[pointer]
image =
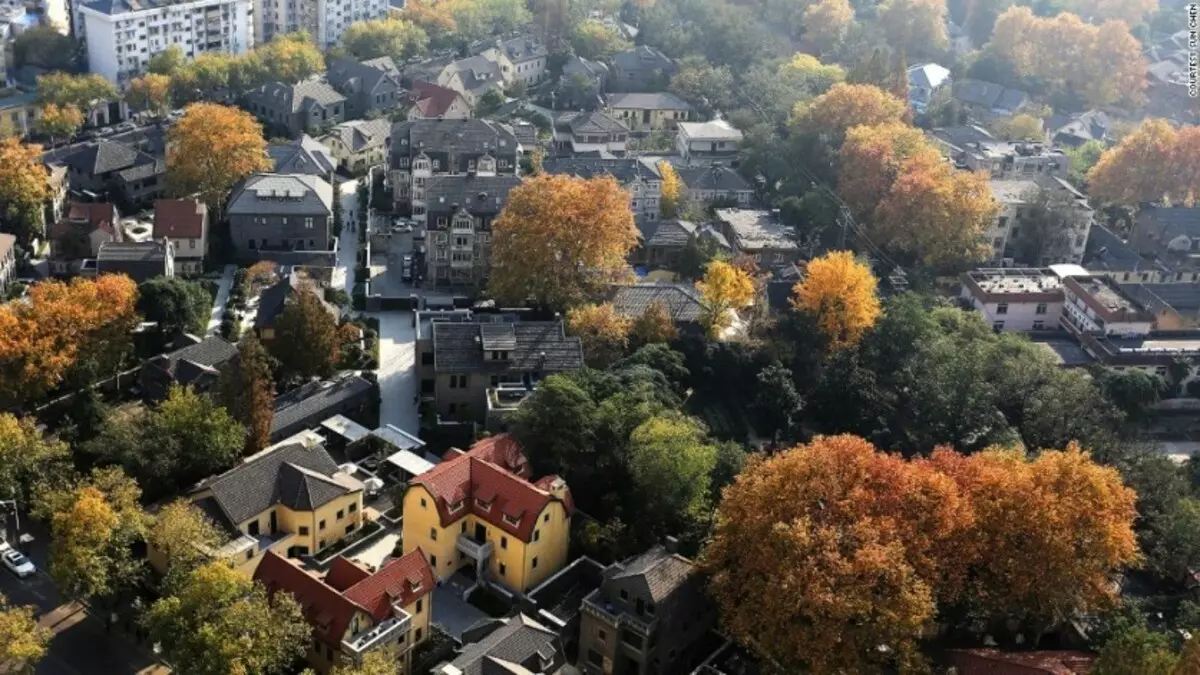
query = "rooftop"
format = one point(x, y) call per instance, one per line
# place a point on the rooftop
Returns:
point(521, 642)
point(300, 404)
point(305, 155)
point(452, 136)
point(717, 129)
point(681, 300)
point(133, 251)
point(1013, 191)
point(538, 347)
point(1002, 281)
point(659, 100)
point(179, 218)
point(756, 229)
point(1103, 293)
point(623, 169)
point(299, 194)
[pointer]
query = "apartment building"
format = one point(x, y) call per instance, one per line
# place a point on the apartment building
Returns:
point(458, 212)
point(1009, 160)
point(324, 20)
point(422, 149)
point(354, 611)
point(479, 509)
point(708, 142)
point(1056, 219)
point(122, 35)
point(640, 178)
point(1017, 299)
point(281, 212)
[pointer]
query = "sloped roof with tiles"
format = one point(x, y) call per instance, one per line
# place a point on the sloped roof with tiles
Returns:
point(179, 218)
point(325, 609)
point(659, 100)
point(540, 346)
point(682, 301)
point(305, 155)
point(343, 573)
point(521, 645)
point(401, 581)
point(360, 135)
point(661, 572)
point(97, 215)
point(431, 99)
point(513, 503)
point(297, 97)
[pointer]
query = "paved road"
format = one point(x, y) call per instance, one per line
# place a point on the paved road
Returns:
point(397, 371)
point(223, 289)
point(348, 244)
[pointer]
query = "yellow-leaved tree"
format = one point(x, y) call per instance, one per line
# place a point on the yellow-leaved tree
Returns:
point(23, 187)
point(150, 92)
point(845, 106)
point(672, 191)
point(560, 240)
point(827, 22)
point(723, 290)
point(603, 332)
point(59, 121)
point(1155, 162)
point(841, 292)
point(211, 148)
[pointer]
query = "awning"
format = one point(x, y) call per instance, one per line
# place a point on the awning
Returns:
point(409, 462)
point(398, 437)
point(345, 427)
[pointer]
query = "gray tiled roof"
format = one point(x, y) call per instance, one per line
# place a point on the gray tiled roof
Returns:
point(596, 122)
point(671, 233)
point(662, 573)
point(309, 195)
point(659, 100)
point(458, 136)
point(210, 352)
point(720, 178)
point(1184, 297)
point(362, 134)
point(306, 155)
point(254, 486)
point(478, 194)
point(682, 301)
point(521, 640)
point(346, 74)
point(623, 169)
point(540, 346)
point(134, 251)
point(299, 96)
point(581, 66)
point(643, 58)
point(477, 73)
point(144, 167)
point(101, 157)
point(519, 49)
point(300, 404)
point(959, 136)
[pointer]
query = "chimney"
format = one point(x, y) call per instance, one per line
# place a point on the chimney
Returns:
point(671, 544)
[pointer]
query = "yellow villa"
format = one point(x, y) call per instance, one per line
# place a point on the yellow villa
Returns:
point(478, 509)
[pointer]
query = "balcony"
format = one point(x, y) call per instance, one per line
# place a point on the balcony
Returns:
point(475, 549)
point(387, 631)
point(597, 606)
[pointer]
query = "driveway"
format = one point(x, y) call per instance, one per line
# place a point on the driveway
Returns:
point(450, 612)
point(223, 290)
point(348, 243)
point(397, 371)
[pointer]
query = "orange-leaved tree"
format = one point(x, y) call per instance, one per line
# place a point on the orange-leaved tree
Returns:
point(23, 187)
point(654, 325)
point(560, 240)
point(827, 22)
point(845, 106)
point(211, 148)
point(871, 158)
point(1153, 163)
point(723, 290)
point(247, 389)
point(841, 293)
point(58, 121)
point(85, 325)
point(150, 92)
point(603, 333)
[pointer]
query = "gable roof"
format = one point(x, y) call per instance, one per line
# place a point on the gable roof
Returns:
point(453, 136)
point(344, 573)
point(179, 218)
point(133, 251)
point(928, 76)
point(989, 95)
point(520, 641)
point(305, 155)
point(202, 357)
point(661, 573)
point(296, 476)
point(401, 581)
point(475, 193)
point(643, 58)
point(433, 100)
point(659, 100)
point(91, 216)
point(716, 177)
point(326, 610)
point(624, 169)
point(596, 122)
point(297, 405)
point(360, 135)
point(586, 67)
point(101, 157)
point(467, 477)
point(539, 346)
point(518, 49)
point(346, 74)
point(299, 96)
point(477, 74)
point(264, 193)
point(682, 301)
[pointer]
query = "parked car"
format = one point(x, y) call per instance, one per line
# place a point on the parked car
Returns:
point(125, 127)
point(15, 561)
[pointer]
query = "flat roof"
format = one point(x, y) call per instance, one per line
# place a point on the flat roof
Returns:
point(1016, 280)
point(345, 427)
point(758, 229)
point(398, 437)
point(410, 462)
point(1107, 294)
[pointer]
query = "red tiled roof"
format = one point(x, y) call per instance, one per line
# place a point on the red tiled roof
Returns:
point(326, 610)
point(179, 218)
point(433, 100)
point(997, 662)
point(98, 215)
point(343, 574)
point(474, 475)
point(402, 581)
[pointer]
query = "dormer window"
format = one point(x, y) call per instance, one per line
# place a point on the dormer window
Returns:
point(486, 506)
point(456, 506)
point(512, 521)
point(500, 355)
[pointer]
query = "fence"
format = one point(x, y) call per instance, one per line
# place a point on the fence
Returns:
point(54, 409)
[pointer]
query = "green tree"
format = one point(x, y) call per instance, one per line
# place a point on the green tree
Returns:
point(23, 642)
point(167, 62)
point(557, 425)
point(80, 91)
point(778, 404)
point(1084, 158)
point(186, 539)
point(219, 621)
point(175, 304)
point(597, 40)
point(1136, 652)
point(397, 38)
point(489, 103)
point(306, 340)
point(705, 86)
point(290, 58)
point(44, 47)
point(247, 390)
point(1132, 391)
point(28, 458)
point(671, 463)
point(1173, 541)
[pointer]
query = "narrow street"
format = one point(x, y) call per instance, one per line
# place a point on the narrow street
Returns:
point(348, 243)
point(398, 371)
point(223, 290)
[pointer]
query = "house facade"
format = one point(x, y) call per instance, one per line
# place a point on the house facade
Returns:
point(183, 222)
point(649, 112)
point(274, 212)
point(598, 132)
point(80, 234)
point(304, 107)
point(458, 212)
point(367, 85)
point(138, 260)
point(425, 149)
point(1015, 299)
point(1022, 203)
point(522, 59)
point(429, 101)
point(360, 144)
point(355, 612)
point(716, 184)
point(8, 259)
point(480, 509)
point(708, 142)
point(640, 178)
point(116, 171)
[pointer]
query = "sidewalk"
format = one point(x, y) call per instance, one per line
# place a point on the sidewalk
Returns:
point(223, 290)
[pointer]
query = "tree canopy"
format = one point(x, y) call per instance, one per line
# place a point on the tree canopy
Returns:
point(393, 37)
point(23, 642)
point(1153, 163)
point(211, 148)
point(306, 341)
point(175, 304)
point(841, 292)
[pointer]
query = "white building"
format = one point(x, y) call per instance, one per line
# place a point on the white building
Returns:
point(708, 142)
point(1019, 201)
point(1017, 299)
point(122, 35)
point(325, 20)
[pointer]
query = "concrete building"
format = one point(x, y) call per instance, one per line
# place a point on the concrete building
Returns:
point(1056, 217)
point(8, 259)
point(640, 178)
point(522, 59)
point(423, 149)
point(760, 235)
point(122, 35)
point(1008, 160)
point(649, 112)
point(708, 142)
point(1017, 299)
point(183, 222)
point(324, 20)
point(1098, 305)
point(591, 132)
point(458, 215)
point(281, 212)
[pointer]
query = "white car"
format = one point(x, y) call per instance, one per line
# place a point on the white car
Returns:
point(16, 562)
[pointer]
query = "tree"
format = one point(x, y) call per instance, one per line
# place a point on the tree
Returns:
point(24, 188)
point(58, 121)
point(841, 292)
point(778, 404)
point(290, 58)
point(559, 240)
point(219, 621)
point(150, 92)
point(596, 40)
point(654, 326)
point(175, 304)
point(211, 148)
point(247, 390)
point(489, 103)
point(389, 36)
point(848, 105)
point(670, 462)
point(826, 23)
point(376, 662)
point(914, 27)
point(167, 62)
point(93, 526)
point(724, 289)
point(44, 47)
point(1136, 652)
point(185, 538)
point(603, 332)
point(556, 426)
point(1173, 540)
point(306, 340)
point(1053, 220)
point(672, 191)
point(1084, 158)
point(1148, 165)
point(84, 327)
point(705, 86)
point(23, 643)
point(28, 458)
point(1020, 127)
point(81, 91)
